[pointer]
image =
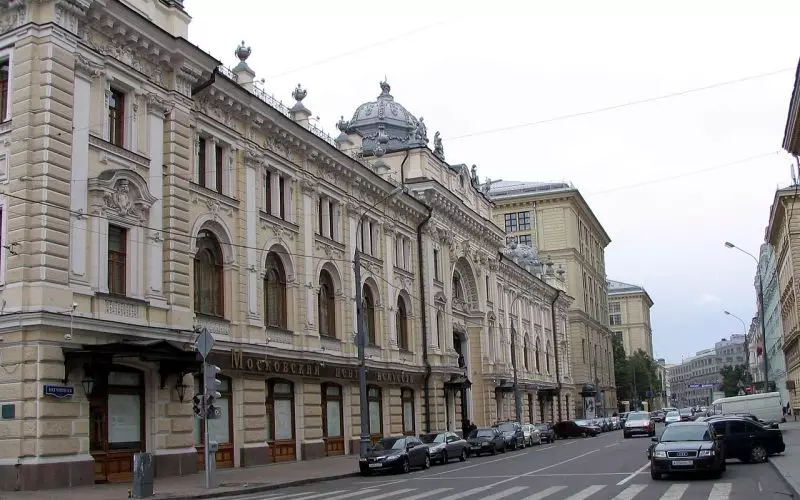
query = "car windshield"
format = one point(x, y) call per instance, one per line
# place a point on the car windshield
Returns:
point(432, 438)
point(482, 433)
point(582, 422)
point(639, 416)
point(507, 427)
point(390, 444)
point(673, 414)
point(679, 432)
point(686, 411)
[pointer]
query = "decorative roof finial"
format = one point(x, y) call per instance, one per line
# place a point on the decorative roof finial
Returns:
point(243, 52)
point(342, 125)
point(299, 93)
point(385, 89)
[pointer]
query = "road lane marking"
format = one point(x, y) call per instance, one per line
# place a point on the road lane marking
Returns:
point(586, 492)
point(612, 444)
point(515, 455)
point(464, 494)
point(633, 474)
point(311, 495)
point(675, 492)
point(721, 491)
point(506, 493)
point(389, 494)
point(630, 492)
point(540, 495)
point(428, 494)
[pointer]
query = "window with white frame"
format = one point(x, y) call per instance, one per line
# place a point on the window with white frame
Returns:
point(329, 217)
point(402, 252)
point(275, 194)
point(210, 169)
point(368, 237)
point(615, 315)
point(5, 88)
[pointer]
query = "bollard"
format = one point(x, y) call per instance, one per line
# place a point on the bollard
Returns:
point(142, 475)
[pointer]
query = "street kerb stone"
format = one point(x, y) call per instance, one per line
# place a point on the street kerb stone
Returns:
point(255, 489)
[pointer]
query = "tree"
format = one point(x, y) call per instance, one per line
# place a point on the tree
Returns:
point(622, 373)
point(635, 375)
point(732, 376)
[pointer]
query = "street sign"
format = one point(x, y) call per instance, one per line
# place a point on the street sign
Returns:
point(693, 386)
point(708, 386)
point(204, 342)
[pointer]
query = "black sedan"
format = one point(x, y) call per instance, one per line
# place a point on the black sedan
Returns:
point(397, 454)
point(513, 435)
point(444, 446)
point(574, 428)
point(687, 447)
point(545, 432)
point(748, 440)
point(486, 440)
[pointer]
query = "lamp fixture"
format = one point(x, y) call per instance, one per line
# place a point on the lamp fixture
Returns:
point(88, 385)
point(180, 387)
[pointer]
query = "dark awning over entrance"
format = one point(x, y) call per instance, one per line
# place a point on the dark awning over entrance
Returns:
point(171, 357)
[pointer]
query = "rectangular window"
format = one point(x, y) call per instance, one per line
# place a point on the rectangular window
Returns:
point(436, 264)
point(282, 196)
point(615, 319)
point(488, 289)
point(525, 239)
point(524, 221)
point(219, 160)
point(201, 161)
point(614, 308)
point(511, 239)
point(4, 86)
point(331, 207)
point(320, 222)
point(116, 118)
point(511, 222)
point(268, 192)
point(116, 259)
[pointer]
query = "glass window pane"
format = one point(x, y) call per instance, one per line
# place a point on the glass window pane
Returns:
point(124, 421)
point(334, 421)
point(124, 378)
point(408, 416)
point(219, 429)
point(283, 419)
point(283, 388)
point(332, 390)
point(374, 417)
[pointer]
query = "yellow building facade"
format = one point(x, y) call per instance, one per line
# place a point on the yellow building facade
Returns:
point(629, 316)
point(149, 191)
point(556, 220)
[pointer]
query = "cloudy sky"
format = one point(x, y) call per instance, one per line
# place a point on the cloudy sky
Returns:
point(529, 90)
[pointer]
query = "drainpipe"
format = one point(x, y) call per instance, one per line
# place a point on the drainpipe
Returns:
point(424, 315)
point(555, 350)
point(199, 87)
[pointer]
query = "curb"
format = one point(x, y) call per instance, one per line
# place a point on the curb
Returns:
point(258, 489)
point(789, 485)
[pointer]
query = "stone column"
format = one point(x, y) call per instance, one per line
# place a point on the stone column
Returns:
point(211, 165)
point(309, 195)
point(250, 227)
point(325, 230)
point(156, 108)
point(275, 189)
point(353, 214)
point(388, 268)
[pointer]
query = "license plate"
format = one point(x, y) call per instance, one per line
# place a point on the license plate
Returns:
point(476, 447)
point(682, 462)
point(375, 466)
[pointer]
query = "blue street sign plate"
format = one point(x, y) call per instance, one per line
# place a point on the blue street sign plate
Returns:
point(58, 391)
point(693, 386)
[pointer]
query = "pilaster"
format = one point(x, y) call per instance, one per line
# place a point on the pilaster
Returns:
point(251, 240)
point(156, 108)
point(309, 195)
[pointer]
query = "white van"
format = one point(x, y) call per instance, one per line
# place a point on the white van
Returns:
point(766, 407)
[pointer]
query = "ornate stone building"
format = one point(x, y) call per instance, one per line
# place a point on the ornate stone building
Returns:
point(149, 191)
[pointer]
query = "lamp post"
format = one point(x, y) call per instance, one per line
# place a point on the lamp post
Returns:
point(728, 244)
point(361, 332)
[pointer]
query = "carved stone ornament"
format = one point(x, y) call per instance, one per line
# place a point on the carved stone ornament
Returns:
point(158, 105)
point(309, 186)
point(69, 13)
point(86, 67)
point(253, 157)
point(281, 234)
point(14, 15)
point(122, 193)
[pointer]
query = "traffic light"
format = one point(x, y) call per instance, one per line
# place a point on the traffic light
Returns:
point(211, 384)
point(198, 401)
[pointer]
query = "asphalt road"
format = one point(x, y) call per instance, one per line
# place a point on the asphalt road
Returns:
point(601, 468)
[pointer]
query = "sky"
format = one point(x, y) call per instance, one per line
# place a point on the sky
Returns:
point(670, 179)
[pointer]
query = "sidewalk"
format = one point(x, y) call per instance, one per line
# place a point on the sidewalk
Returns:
point(788, 463)
point(232, 482)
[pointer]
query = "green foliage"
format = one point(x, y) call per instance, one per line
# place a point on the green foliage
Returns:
point(634, 374)
point(732, 377)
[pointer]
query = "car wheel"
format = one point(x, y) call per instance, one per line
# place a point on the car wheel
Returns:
point(494, 450)
point(406, 466)
point(655, 475)
point(758, 454)
point(463, 456)
point(365, 472)
point(427, 463)
point(445, 458)
point(583, 434)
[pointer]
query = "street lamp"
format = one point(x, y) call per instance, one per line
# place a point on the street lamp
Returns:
point(728, 244)
point(362, 337)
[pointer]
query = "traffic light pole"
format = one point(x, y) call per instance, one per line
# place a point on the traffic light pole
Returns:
point(207, 448)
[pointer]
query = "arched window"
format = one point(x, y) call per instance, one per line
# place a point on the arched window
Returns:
point(547, 357)
point(326, 305)
point(525, 354)
point(368, 310)
point(401, 321)
point(538, 361)
point(274, 292)
point(208, 276)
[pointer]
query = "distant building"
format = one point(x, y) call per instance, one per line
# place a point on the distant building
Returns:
point(773, 326)
point(688, 378)
point(629, 316)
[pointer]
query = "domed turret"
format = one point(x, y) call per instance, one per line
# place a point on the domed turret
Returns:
point(385, 118)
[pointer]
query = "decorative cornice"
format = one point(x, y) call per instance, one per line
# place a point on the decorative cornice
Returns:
point(84, 66)
point(157, 105)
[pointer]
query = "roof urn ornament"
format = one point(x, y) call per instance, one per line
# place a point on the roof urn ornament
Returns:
point(438, 149)
point(243, 52)
point(299, 93)
point(342, 125)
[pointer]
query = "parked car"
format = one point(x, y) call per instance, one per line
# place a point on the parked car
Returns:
point(399, 453)
point(657, 416)
point(687, 414)
point(687, 447)
point(513, 434)
point(672, 417)
point(574, 428)
point(532, 435)
point(545, 432)
point(748, 440)
point(443, 446)
point(639, 422)
point(486, 440)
